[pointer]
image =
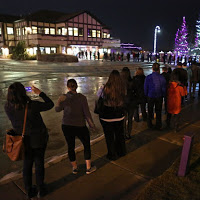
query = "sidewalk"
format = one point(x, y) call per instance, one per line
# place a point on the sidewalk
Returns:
point(150, 153)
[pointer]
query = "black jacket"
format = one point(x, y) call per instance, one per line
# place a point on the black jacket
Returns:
point(35, 132)
point(138, 83)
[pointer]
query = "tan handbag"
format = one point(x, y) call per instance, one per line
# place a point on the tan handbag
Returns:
point(13, 145)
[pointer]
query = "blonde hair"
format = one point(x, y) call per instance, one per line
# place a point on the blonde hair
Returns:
point(139, 71)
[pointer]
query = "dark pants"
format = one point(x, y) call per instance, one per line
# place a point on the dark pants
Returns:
point(71, 132)
point(157, 102)
point(176, 120)
point(128, 121)
point(143, 110)
point(33, 156)
point(114, 136)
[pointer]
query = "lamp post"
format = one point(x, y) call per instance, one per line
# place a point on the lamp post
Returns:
point(157, 30)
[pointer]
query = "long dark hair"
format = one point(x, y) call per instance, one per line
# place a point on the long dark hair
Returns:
point(17, 95)
point(114, 90)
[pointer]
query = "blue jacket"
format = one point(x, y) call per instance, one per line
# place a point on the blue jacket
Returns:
point(155, 85)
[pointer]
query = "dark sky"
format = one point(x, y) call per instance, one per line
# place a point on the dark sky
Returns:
point(130, 20)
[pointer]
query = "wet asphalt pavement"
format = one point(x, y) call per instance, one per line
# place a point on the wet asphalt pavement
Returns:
point(52, 78)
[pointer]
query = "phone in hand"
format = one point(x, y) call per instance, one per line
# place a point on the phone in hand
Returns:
point(28, 89)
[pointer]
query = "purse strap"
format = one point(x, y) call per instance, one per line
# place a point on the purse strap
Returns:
point(25, 117)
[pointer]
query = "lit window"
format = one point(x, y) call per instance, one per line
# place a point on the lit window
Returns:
point(89, 33)
point(94, 33)
point(75, 31)
point(98, 34)
point(47, 50)
point(18, 31)
point(59, 31)
point(52, 31)
point(40, 30)
point(80, 31)
point(46, 31)
point(64, 31)
point(108, 35)
point(34, 29)
point(10, 31)
point(104, 35)
point(70, 31)
point(23, 31)
point(0, 31)
point(53, 49)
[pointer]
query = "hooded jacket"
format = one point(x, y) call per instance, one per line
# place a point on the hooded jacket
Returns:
point(174, 94)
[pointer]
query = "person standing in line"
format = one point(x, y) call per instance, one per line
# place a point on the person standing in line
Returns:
point(98, 55)
point(138, 83)
point(75, 113)
point(193, 74)
point(90, 55)
point(128, 57)
point(155, 90)
point(122, 56)
point(130, 101)
point(86, 54)
point(167, 78)
point(174, 94)
point(36, 135)
point(112, 115)
point(182, 76)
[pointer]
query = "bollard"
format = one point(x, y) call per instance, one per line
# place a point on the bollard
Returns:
point(188, 138)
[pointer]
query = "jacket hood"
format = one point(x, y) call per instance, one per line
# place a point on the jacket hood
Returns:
point(174, 84)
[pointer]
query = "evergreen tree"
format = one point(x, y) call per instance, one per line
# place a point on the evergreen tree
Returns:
point(181, 44)
point(197, 39)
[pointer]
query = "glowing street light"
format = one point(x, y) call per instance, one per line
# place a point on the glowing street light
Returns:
point(157, 30)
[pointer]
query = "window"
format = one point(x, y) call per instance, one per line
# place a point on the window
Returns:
point(53, 49)
point(18, 31)
point(108, 35)
point(23, 30)
point(59, 31)
point(10, 31)
point(34, 29)
point(64, 31)
point(80, 31)
point(70, 31)
point(46, 31)
point(75, 31)
point(0, 30)
point(89, 33)
point(98, 34)
point(40, 30)
point(94, 33)
point(104, 35)
point(52, 31)
point(47, 50)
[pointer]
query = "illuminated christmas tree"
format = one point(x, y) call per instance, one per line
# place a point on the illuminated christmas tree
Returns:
point(181, 44)
point(197, 39)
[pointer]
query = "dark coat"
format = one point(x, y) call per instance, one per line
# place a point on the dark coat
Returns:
point(138, 83)
point(36, 132)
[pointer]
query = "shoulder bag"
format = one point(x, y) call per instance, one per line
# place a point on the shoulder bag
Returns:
point(13, 144)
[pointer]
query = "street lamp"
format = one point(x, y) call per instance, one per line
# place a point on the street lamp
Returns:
point(157, 30)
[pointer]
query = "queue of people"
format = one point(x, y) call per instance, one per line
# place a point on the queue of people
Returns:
point(122, 97)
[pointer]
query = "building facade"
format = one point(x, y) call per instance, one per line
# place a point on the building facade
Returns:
point(54, 32)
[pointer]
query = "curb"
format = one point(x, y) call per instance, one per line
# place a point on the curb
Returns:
point(13, 176)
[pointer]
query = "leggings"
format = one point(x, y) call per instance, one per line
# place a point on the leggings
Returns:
point(70, 133)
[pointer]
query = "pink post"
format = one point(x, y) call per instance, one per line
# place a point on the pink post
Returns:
point(185, 154)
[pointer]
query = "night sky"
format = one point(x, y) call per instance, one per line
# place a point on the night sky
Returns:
point(131, 21)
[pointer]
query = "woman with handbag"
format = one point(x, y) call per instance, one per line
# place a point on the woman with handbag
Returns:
point(75, 114)
point(35, 137)
point(112, 115)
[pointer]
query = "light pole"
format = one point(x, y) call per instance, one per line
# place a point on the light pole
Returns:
point(157, 30)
